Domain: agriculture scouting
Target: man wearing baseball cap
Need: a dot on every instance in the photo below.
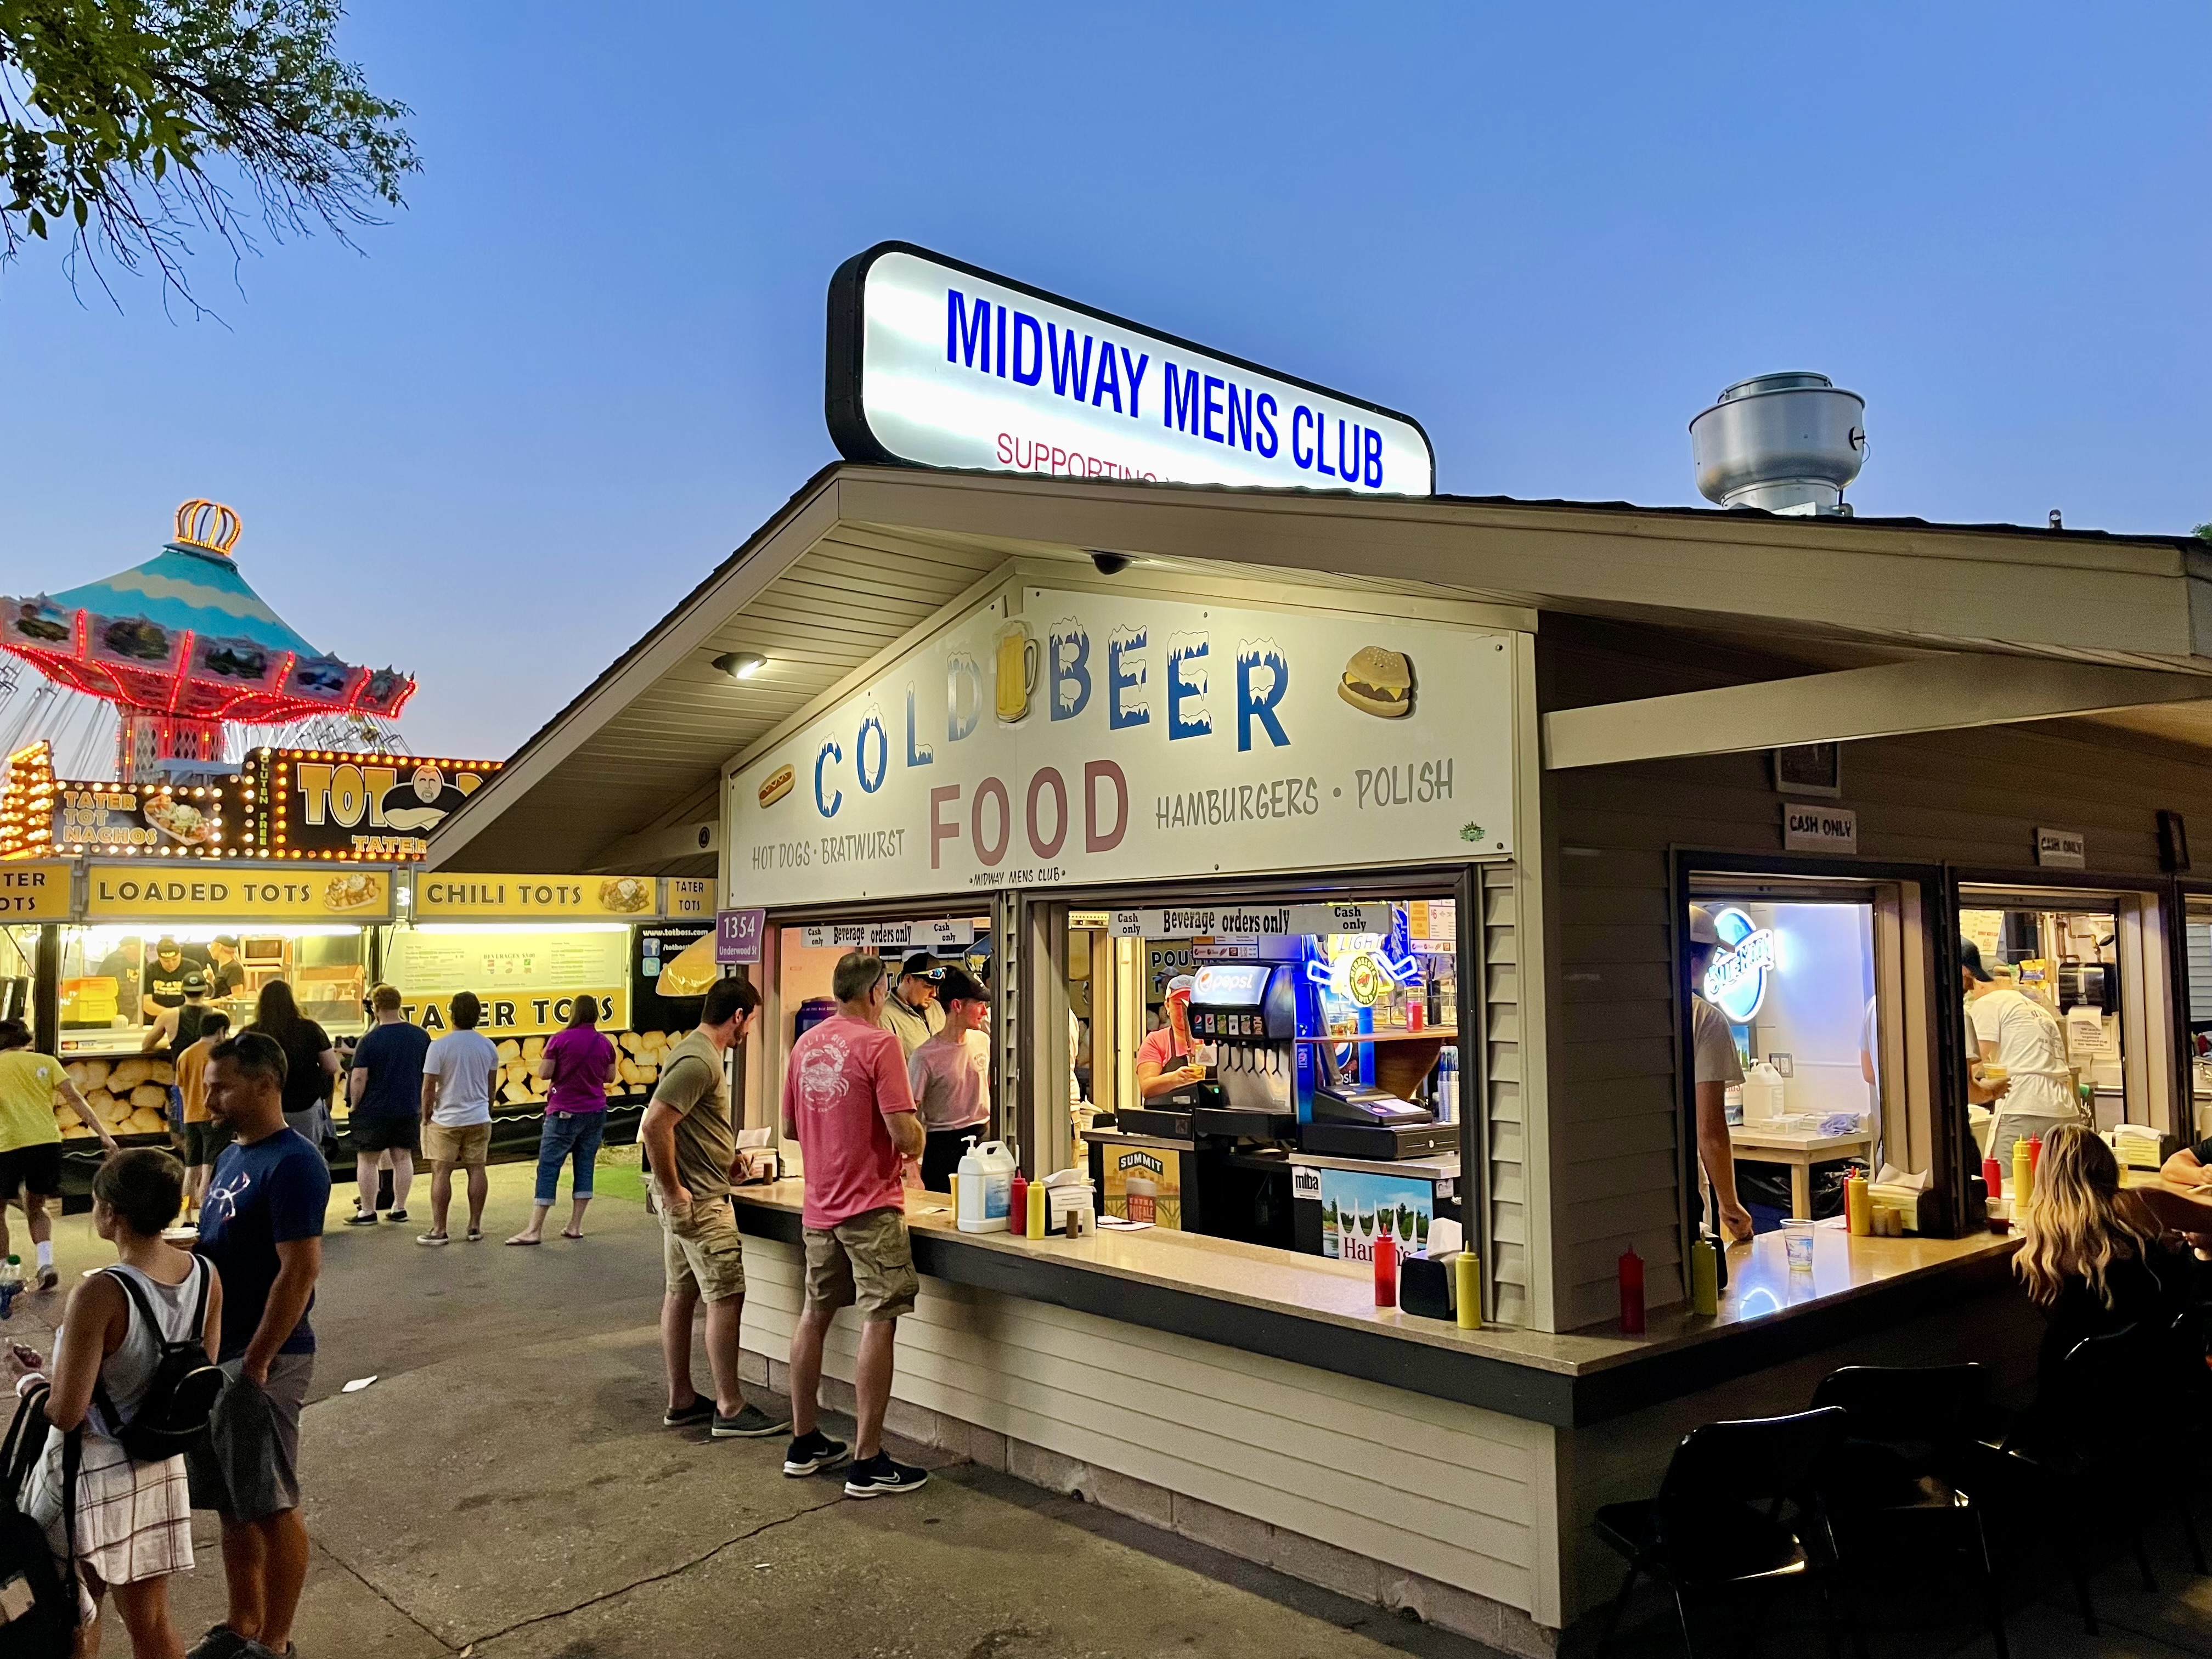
(1716, 1068)
(2034, 1093)
(910, 1012)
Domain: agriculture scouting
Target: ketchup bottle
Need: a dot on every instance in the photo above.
(1017, 1206)
(1632, 1293)
(1386, 1272)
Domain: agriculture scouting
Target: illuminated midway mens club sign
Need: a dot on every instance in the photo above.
(938, 363)
(1735, 979)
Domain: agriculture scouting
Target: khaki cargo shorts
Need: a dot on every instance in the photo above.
(468, 1146)
(701, 1251)
(866, 1263)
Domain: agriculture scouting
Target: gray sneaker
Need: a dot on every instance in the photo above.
(750, 1423)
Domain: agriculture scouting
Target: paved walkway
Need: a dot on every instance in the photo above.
(504, 1490)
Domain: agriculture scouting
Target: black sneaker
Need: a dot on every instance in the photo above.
(879, 1476)
(750, 1423)
(358, 1219)
(395, 1215)
(700, 1410)
(220, 1642)
(813, 1452)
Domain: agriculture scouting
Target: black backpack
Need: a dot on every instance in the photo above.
(172, 1415)
(37, 1602)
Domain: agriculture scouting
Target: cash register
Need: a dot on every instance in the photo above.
(1355, 1119)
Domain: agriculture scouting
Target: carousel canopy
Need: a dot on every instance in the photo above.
(183, 635)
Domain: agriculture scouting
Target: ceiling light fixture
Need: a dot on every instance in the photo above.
(741, 665)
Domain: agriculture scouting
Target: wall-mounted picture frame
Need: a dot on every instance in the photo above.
(1809, 768)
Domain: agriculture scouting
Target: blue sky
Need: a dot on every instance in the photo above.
(586, 361)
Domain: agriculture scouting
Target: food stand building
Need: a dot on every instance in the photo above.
(2023, 721)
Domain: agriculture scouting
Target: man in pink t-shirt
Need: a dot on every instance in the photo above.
(846, 1103)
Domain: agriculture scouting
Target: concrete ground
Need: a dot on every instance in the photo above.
(504, 1490)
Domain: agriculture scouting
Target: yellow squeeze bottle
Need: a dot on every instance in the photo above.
(1467, 1289)
(2023, 1177)
(1858, 1206)
(1704, 1279)
(1036, 1220)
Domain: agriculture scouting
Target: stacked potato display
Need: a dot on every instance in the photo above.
(130, 1096)
(636, 1067)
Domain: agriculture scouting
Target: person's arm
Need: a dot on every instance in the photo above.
(895, 1100)
(658, 1131)
(2177, 1212)
(1154, 1079)
(89, 1118)
(614, 1065)
(357, 1080)
(299, 1264)
(97, 1319)
(163, 1029)
(211, 1329)
(429, 1093)
(1717, 1153)
(2185, 1169)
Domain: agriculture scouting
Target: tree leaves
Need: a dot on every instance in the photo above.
(111, 112)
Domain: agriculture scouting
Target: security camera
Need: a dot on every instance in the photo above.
(1110, 564)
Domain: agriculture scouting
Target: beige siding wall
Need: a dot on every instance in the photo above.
(1971, 799)
(1508, 1188)
(1462, 1496)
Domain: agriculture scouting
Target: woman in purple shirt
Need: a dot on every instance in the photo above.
(580, 1063)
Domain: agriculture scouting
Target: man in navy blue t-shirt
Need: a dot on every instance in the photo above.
(261, 1226)
(383, 1087)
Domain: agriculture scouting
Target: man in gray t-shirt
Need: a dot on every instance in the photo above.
(1716, 1068)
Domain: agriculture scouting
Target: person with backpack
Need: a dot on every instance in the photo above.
(133, 1383)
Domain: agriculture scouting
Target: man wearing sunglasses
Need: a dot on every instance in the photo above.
(910, 1012)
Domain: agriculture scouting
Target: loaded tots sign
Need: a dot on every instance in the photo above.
(1079, 735)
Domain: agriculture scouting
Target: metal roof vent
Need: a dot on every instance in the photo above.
(1785, 443)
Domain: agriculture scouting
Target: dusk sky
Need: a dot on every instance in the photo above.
(497, 443)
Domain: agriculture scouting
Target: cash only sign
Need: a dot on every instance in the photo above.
(1093, 737)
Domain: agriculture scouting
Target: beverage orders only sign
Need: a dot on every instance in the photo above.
(935, 361)
(1097, 737)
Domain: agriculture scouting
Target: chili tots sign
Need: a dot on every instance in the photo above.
(1735, 979)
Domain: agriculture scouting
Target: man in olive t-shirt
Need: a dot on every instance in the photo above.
(687, 1134)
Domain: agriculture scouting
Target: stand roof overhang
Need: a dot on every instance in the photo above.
(863, 559)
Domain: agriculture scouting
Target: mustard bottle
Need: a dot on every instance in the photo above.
(1036, 1219)
(2023, 1178)
(1704, 1279)
(1467, 1289)
(1859, 1205)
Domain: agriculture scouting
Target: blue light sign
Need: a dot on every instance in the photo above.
(1735, 978)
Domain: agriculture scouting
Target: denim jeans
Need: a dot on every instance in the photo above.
(567, 1134)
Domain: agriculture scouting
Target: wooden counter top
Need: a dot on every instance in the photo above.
(1271, 1300)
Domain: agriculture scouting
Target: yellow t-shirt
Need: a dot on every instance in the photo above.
(192, 1079)
(27, 1082)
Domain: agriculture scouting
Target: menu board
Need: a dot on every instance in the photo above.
(34, 892)
(528, 981)
(231, 892)
(320, 804)
(552, 898)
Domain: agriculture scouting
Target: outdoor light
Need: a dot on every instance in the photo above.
(741, 665)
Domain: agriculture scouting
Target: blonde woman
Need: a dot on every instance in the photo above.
(2096, 1257)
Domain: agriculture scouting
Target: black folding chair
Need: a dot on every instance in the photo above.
(1905, 1468)
(1738, 1512)
(2094, 1477)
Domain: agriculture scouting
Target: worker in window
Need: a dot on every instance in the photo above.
(1165, 1061)
(1717, 1069)
(2022, 1072)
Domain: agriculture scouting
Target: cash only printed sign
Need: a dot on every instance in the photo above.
(1096, 736)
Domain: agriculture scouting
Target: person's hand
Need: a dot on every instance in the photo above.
(1737, 1221)
(24, 1362)
(676, 1200)
(255, 1372)
(1191, 1073)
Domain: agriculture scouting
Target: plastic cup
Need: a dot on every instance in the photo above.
(1797, 1244)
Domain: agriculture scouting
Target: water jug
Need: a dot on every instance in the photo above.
(1764, 1090)
(986, 1187)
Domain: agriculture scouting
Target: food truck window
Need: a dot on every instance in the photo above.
(2088, 961)
(1288, 1079)
(113, 979)
(1822, 985)
(18, 969)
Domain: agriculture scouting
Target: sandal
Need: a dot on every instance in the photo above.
(522, 1239)
(565, 1233)
(432, 1238)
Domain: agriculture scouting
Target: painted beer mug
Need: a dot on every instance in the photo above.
(1017, 657)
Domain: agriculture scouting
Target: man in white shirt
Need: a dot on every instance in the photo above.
(2011, 1029)
(458, 1074)
(1716, 1068)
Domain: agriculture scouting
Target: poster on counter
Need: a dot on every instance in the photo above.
(1357, 1208)
(1143, 1183)
(1097, 737)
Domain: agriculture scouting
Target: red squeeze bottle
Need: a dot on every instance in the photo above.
(1386, 1272)
(1632, 1293)
(1017, 1206)
(2035, 1151)
(1993, 1177)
